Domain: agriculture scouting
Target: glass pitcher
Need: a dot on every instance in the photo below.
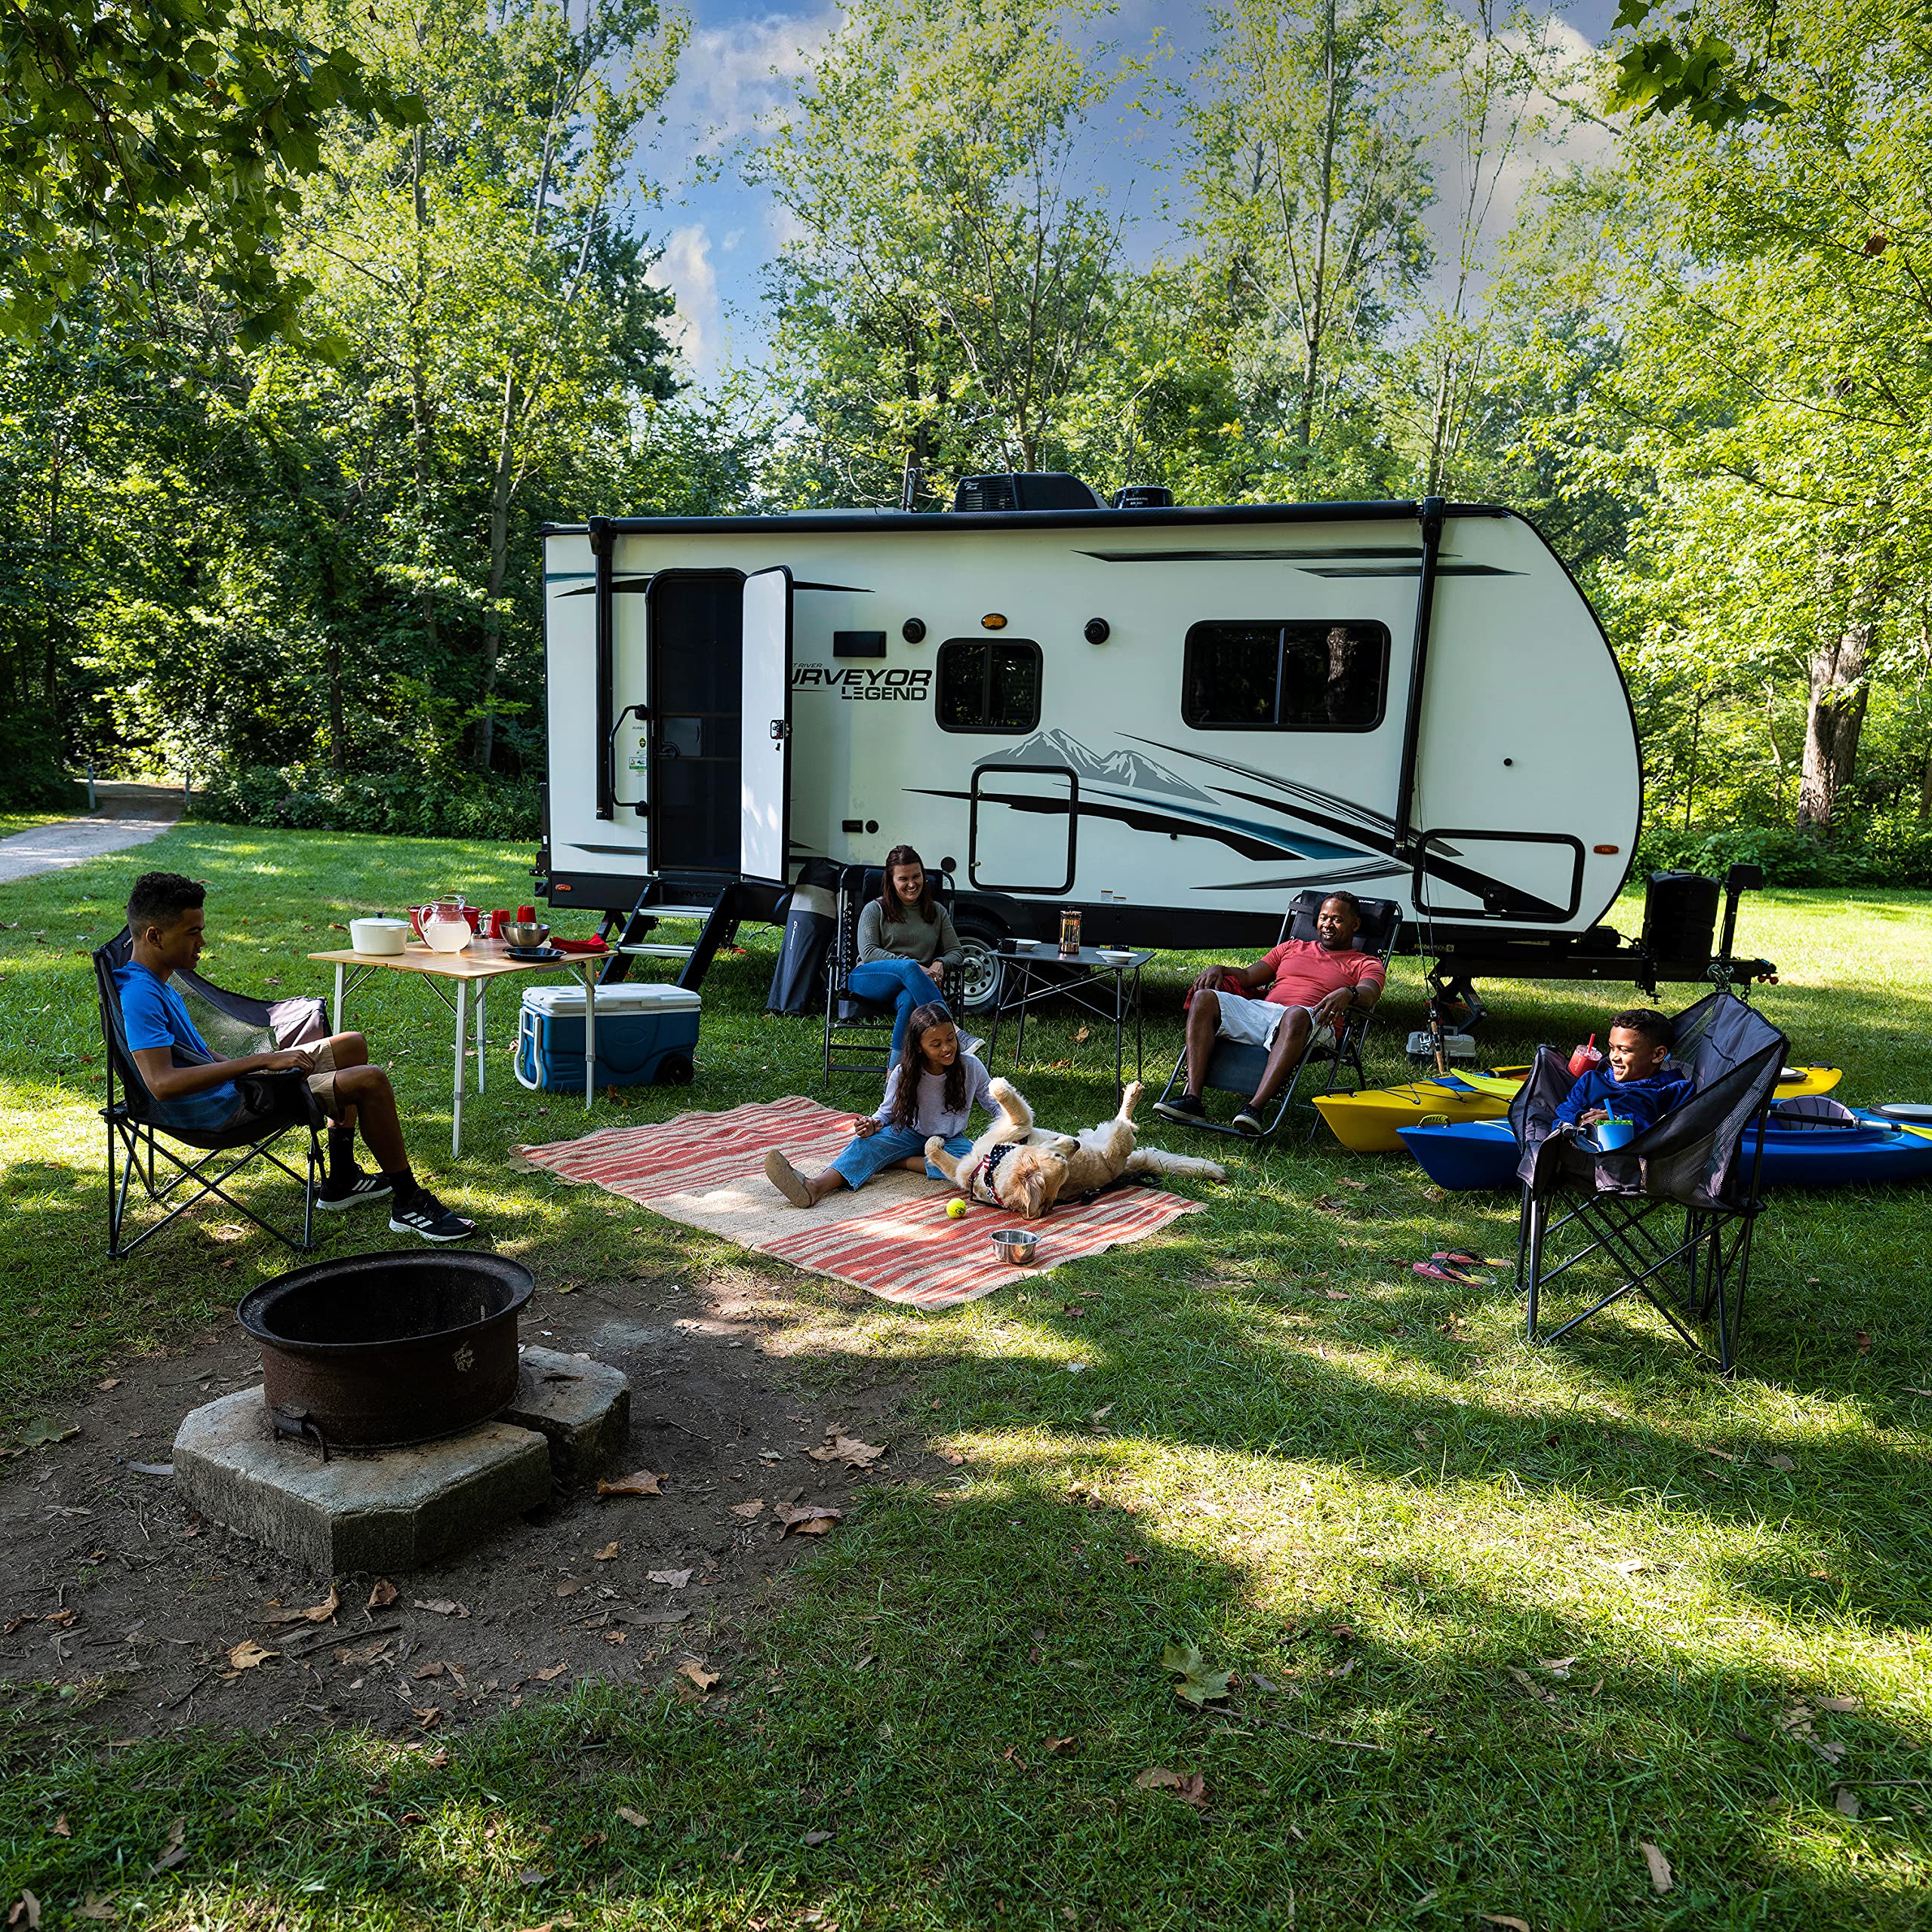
(445, 925)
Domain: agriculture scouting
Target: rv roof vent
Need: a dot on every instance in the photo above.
(1024, 490)
(1142, 496)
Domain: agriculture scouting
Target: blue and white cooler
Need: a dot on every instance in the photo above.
(647, 1035)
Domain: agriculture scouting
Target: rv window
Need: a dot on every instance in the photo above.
(1271, 676)
(985, 685)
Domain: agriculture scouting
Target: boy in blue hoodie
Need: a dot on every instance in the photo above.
(1632, 1084)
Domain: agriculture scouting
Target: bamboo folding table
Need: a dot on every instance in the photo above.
(478, 963)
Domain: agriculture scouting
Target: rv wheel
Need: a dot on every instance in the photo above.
(980, 969)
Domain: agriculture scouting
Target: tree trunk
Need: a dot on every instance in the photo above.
(332, 674)
(1836, 717)
(501, 486)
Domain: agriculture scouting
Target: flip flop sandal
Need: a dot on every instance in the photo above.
(1433, 1271)
(1456, 1258)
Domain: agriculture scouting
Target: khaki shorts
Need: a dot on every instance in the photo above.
(322, 1078)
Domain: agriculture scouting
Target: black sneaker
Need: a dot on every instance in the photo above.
(427, 1216)
(1248, 1121)
(1186, 1110)
(334, 1196)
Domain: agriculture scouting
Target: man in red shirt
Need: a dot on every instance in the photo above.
(1303, 984)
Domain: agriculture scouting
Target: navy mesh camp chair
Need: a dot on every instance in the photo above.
(1670, 1214)
(1235, 1069)
(858, 1032)
(140, 1128)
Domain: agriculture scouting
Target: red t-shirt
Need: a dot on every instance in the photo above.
(1305, 971)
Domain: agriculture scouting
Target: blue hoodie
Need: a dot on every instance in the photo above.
(1646, 1102)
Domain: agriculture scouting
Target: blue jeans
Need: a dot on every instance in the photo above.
(885, 981)
(861, 1159)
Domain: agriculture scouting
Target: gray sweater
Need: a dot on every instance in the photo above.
(908, 936)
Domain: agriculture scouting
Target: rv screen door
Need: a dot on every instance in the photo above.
(764, 755)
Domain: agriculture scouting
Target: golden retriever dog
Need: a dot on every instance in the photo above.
(1025, 1169)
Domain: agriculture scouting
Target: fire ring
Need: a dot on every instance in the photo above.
(376, 1351)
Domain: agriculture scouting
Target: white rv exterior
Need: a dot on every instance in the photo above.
(1172, 719)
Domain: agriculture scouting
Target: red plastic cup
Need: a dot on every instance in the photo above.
(1585, 1059)
(525, 914)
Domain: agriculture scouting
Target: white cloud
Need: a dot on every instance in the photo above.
(733, 77)
(685, 268)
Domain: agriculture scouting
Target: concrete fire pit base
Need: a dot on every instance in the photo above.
(399, 1509)
(394, 1511)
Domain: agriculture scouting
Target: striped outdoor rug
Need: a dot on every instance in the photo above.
(891, 1237)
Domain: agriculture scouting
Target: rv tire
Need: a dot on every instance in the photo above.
(980, 969)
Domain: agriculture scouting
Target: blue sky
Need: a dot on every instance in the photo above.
(718, 233)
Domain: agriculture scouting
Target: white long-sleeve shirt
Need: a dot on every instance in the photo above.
(931, 1113)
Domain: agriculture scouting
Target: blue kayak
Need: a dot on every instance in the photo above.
(1844, 1147)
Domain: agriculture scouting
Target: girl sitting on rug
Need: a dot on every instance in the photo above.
(933, 1089)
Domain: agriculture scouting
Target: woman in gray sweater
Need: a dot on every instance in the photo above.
(907, 944)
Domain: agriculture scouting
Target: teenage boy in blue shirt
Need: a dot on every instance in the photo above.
(167, 923)
(1632, 1084)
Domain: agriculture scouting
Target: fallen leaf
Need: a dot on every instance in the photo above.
(1862, 1341)
(61, 1828)
(176, 1849)
(111, 1382)
(631, 1817)
(674, 1579)
(815, 1838)
(639, 1482)
(569, 1587)
(430, 1670)
(40, 1434)
(848, 1450)
(616, 1637)
(1056, 1744)
(1100, 1415)
(1829, 1749)
(1557, 1666)
(96, 1907)
(604, 1555)
(427, 1716)
(26, 1908)
(1724, 1454)
(439, 1606)
(1198, 1684)
(1503, 1918)
(1782, 1463)
(748, 1510)
(316, 1613)
(1844, 1800)
(383, 1595)
(1191, 1787)
(60, 1618)
(247, 1653)
(1660, 1878)
(368, 1654)
(555, 1670)
(1840, 1704)
(696, 1671)
(809, 1519)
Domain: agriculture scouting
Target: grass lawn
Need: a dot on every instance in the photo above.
(1501, 1618)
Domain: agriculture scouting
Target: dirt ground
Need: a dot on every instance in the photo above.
(114, 1588)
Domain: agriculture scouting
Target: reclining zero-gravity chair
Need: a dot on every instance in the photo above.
(275, 1104)
(1615, 1206)
(1238, 1069)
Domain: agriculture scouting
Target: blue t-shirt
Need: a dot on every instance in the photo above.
(1646, 1102)
(153, 1015)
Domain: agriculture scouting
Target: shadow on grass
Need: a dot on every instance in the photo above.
(944, 1730)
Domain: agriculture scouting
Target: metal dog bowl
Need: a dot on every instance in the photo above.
(1016, 1246)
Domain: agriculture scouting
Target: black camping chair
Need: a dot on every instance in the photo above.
(274, 1104)
(858, 1032)
(1622, 1207)
(1238, 1069)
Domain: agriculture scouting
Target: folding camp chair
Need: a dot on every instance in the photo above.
(275, 1104)
(1622, 1206)
(1238, 1069)
(858, 1032)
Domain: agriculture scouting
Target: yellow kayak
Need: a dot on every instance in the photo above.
(1370, 1122)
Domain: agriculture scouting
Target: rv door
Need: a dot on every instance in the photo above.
(765, 727)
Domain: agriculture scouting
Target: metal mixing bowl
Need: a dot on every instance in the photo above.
(1016, 1246)
(526, 932)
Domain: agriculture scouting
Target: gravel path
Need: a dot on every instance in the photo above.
(130, 815)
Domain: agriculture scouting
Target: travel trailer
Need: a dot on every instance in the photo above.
(1172, 719)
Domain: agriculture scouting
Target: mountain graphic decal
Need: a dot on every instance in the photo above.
(1129, 771)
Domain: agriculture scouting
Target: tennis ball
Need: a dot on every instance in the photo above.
(955, 1209)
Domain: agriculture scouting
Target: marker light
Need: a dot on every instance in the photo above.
(992, 621)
